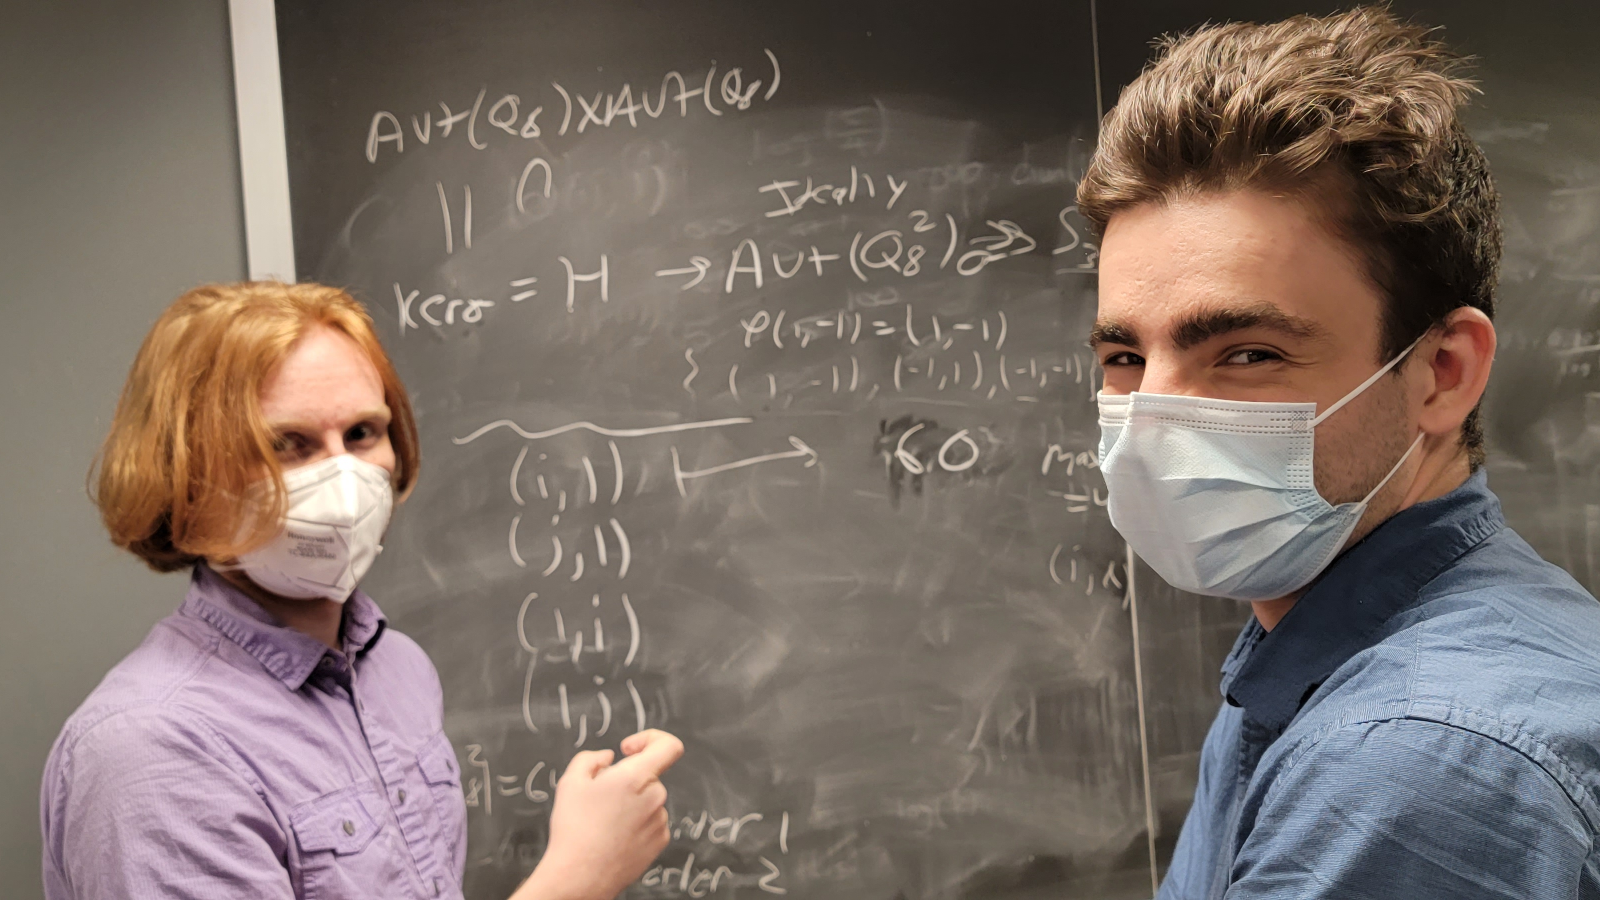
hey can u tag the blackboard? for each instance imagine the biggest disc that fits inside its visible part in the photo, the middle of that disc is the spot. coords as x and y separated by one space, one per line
747 343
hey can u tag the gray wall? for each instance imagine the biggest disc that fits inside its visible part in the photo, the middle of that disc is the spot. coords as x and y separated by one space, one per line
119 189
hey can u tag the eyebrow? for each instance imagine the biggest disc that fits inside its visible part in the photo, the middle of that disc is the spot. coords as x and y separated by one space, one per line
377 412
1112 333
1199 327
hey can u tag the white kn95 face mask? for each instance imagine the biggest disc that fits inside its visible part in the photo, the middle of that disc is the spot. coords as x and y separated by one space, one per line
1218 496
338 511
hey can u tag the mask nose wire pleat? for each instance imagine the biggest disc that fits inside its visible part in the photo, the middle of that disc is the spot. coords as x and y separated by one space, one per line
1339 404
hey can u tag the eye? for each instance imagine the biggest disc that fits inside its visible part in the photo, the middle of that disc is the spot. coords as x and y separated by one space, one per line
365 433
1123 358
290 445
1250 357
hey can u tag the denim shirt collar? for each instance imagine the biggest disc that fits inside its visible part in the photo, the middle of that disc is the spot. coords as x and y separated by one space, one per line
1272 673
289 655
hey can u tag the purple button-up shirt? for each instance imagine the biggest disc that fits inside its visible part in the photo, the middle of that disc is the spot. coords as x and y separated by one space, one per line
231 757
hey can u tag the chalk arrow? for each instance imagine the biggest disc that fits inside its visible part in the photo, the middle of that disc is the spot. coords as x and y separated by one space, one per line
801 450
698 265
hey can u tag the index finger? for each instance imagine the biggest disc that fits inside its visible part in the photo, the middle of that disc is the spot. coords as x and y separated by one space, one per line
659 752
637 741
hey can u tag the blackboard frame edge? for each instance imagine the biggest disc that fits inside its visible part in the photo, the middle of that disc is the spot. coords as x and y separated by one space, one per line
263 147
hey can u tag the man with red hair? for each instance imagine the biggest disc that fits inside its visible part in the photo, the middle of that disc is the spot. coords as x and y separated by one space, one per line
274 738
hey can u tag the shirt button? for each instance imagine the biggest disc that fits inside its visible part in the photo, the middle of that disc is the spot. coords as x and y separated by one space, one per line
402 795
349 827
327 662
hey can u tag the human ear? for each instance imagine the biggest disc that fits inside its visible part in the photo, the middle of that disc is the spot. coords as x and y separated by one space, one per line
1459 356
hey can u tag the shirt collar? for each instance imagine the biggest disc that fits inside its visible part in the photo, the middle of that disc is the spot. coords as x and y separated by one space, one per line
289 655
1272 673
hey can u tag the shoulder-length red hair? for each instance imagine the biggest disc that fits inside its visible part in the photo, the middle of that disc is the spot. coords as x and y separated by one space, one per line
189 444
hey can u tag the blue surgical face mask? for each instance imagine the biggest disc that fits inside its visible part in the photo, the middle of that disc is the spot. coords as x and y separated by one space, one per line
1218 497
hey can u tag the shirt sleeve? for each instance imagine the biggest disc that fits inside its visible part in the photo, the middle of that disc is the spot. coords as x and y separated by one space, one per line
1412 810
145 805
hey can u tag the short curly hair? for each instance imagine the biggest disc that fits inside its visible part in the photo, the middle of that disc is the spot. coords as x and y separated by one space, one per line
188 448
1358 111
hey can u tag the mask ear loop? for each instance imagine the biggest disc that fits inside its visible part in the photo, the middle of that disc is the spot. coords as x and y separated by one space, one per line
1339 404
1403 457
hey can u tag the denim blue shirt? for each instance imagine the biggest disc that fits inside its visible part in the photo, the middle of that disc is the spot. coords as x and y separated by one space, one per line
1424 723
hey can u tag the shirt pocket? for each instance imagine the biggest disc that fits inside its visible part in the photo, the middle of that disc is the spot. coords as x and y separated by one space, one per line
341 854
437 762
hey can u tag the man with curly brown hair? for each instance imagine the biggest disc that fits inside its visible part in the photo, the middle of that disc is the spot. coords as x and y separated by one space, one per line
1299 252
